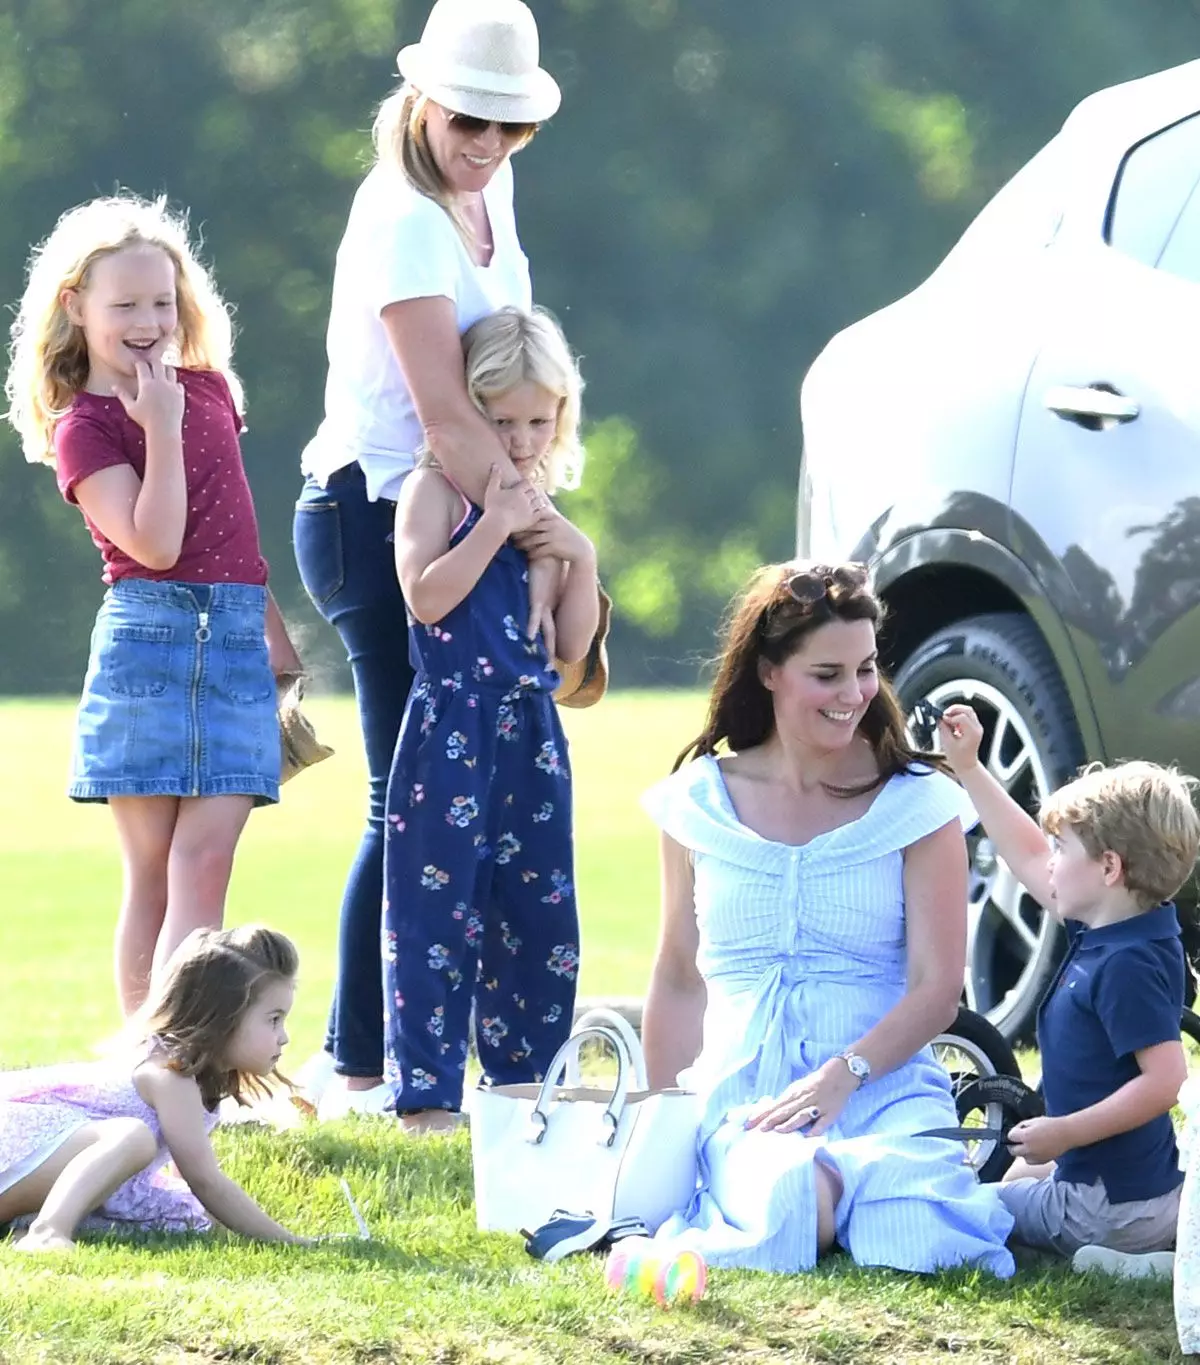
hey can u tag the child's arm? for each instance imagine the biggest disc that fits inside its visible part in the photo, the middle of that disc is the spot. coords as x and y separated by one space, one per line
1018 839
145 518
434 577
176 1100
285 661
1163 1070
577 608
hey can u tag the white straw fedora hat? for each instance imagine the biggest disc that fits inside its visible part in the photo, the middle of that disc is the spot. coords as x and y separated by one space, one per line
480 57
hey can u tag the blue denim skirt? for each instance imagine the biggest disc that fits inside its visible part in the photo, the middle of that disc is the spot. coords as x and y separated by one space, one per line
179 699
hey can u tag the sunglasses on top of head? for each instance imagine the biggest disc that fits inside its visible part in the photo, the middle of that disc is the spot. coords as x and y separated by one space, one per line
472 126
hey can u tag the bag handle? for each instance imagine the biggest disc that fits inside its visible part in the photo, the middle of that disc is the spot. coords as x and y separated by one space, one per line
539 1119
604 1017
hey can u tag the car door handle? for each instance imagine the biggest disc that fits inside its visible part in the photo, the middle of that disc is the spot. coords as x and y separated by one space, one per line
1094 406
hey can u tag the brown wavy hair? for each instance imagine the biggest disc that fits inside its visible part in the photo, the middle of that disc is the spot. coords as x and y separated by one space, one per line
211 980
781 606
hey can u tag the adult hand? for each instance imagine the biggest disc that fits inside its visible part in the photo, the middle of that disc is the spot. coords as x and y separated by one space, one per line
960 732
512 505
810 1105
157 399
1039 1140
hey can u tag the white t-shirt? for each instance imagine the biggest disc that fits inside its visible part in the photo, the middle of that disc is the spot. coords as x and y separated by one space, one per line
400 245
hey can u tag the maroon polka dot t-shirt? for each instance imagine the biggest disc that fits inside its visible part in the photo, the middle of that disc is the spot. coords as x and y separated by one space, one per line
220 538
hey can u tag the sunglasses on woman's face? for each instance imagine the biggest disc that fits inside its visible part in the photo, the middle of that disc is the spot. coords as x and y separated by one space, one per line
470 126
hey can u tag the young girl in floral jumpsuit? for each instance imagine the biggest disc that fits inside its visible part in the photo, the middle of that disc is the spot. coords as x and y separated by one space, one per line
479 895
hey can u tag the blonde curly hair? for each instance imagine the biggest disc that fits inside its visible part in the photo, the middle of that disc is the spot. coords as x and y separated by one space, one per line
510 347
48 356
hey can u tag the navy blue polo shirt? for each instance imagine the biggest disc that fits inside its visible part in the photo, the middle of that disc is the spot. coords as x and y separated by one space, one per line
1119 989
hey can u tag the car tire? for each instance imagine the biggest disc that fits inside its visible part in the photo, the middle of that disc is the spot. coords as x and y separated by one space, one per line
1000 664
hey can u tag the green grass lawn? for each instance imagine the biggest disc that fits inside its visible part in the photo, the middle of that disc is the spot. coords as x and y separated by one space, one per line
60 878
429 1288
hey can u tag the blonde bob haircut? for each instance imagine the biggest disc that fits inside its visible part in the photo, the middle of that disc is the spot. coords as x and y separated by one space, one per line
210 981
510 347
398 134
48 357
1140 811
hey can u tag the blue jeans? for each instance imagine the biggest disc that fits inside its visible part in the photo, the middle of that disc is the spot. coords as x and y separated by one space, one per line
344 552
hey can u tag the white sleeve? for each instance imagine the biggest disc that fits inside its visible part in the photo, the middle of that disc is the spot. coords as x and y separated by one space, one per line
414 254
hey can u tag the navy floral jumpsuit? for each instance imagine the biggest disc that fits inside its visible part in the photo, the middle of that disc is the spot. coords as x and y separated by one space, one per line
479 895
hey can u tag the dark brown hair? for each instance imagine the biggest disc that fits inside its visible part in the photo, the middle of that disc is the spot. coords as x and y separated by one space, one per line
209 983
781 606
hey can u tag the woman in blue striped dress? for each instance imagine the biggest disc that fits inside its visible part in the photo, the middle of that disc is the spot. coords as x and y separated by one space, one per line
813 943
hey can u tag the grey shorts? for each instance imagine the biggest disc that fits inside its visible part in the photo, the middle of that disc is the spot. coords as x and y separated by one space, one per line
1059 1216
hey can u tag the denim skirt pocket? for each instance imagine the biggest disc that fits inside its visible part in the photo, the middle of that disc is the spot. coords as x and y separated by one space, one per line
247 667
178 699
138 664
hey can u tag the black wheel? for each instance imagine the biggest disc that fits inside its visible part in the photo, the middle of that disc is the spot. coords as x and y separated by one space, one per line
1000 665
973 1050
995 1102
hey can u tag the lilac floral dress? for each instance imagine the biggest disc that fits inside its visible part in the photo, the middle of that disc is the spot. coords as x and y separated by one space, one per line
41 1107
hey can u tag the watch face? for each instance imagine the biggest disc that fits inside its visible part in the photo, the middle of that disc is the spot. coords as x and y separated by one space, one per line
859 1066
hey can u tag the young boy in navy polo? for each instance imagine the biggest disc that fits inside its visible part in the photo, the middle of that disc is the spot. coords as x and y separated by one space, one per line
1100 1171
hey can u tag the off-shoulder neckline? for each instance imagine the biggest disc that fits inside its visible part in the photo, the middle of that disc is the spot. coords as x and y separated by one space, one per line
725 799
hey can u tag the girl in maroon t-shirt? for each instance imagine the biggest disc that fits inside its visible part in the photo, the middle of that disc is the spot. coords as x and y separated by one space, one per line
177 727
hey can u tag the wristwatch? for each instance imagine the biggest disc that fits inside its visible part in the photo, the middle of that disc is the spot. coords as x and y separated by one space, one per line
860 1068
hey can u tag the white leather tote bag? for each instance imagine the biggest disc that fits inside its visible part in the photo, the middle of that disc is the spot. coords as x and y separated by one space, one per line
624 1152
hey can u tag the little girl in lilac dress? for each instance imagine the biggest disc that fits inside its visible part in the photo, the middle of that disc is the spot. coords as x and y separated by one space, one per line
89 1142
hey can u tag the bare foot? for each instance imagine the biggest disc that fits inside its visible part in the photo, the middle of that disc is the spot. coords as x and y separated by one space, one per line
431 1121
43 1239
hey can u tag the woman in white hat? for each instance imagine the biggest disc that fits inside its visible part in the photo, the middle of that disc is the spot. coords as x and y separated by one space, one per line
430 247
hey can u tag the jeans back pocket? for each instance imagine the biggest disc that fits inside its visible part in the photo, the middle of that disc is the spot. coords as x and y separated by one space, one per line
317 534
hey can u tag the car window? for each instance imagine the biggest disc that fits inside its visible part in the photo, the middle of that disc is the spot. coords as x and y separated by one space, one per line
1154 187
1181 255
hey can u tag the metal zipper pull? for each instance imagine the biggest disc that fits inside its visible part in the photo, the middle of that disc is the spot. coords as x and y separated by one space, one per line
203 634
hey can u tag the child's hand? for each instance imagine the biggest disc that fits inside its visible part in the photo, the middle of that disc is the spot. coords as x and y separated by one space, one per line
158 400
1039 1140
960 732
552 534
514 506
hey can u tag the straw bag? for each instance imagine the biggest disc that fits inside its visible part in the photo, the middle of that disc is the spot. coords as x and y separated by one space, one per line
585 681
620 1152
299 747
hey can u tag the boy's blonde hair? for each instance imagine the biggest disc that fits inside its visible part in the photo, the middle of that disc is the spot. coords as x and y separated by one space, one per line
210 981
510 347
48 358
1140 811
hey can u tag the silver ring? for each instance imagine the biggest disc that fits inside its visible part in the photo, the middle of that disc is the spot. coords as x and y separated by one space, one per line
814 1113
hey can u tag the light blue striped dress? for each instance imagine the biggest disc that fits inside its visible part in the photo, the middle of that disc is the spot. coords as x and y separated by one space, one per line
802 951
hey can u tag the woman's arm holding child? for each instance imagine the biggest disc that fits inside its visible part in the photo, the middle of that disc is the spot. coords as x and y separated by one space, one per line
436 577
1017 837
424 337
176 1100
145 518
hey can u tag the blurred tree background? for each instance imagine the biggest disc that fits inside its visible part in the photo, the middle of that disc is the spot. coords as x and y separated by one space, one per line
728 183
